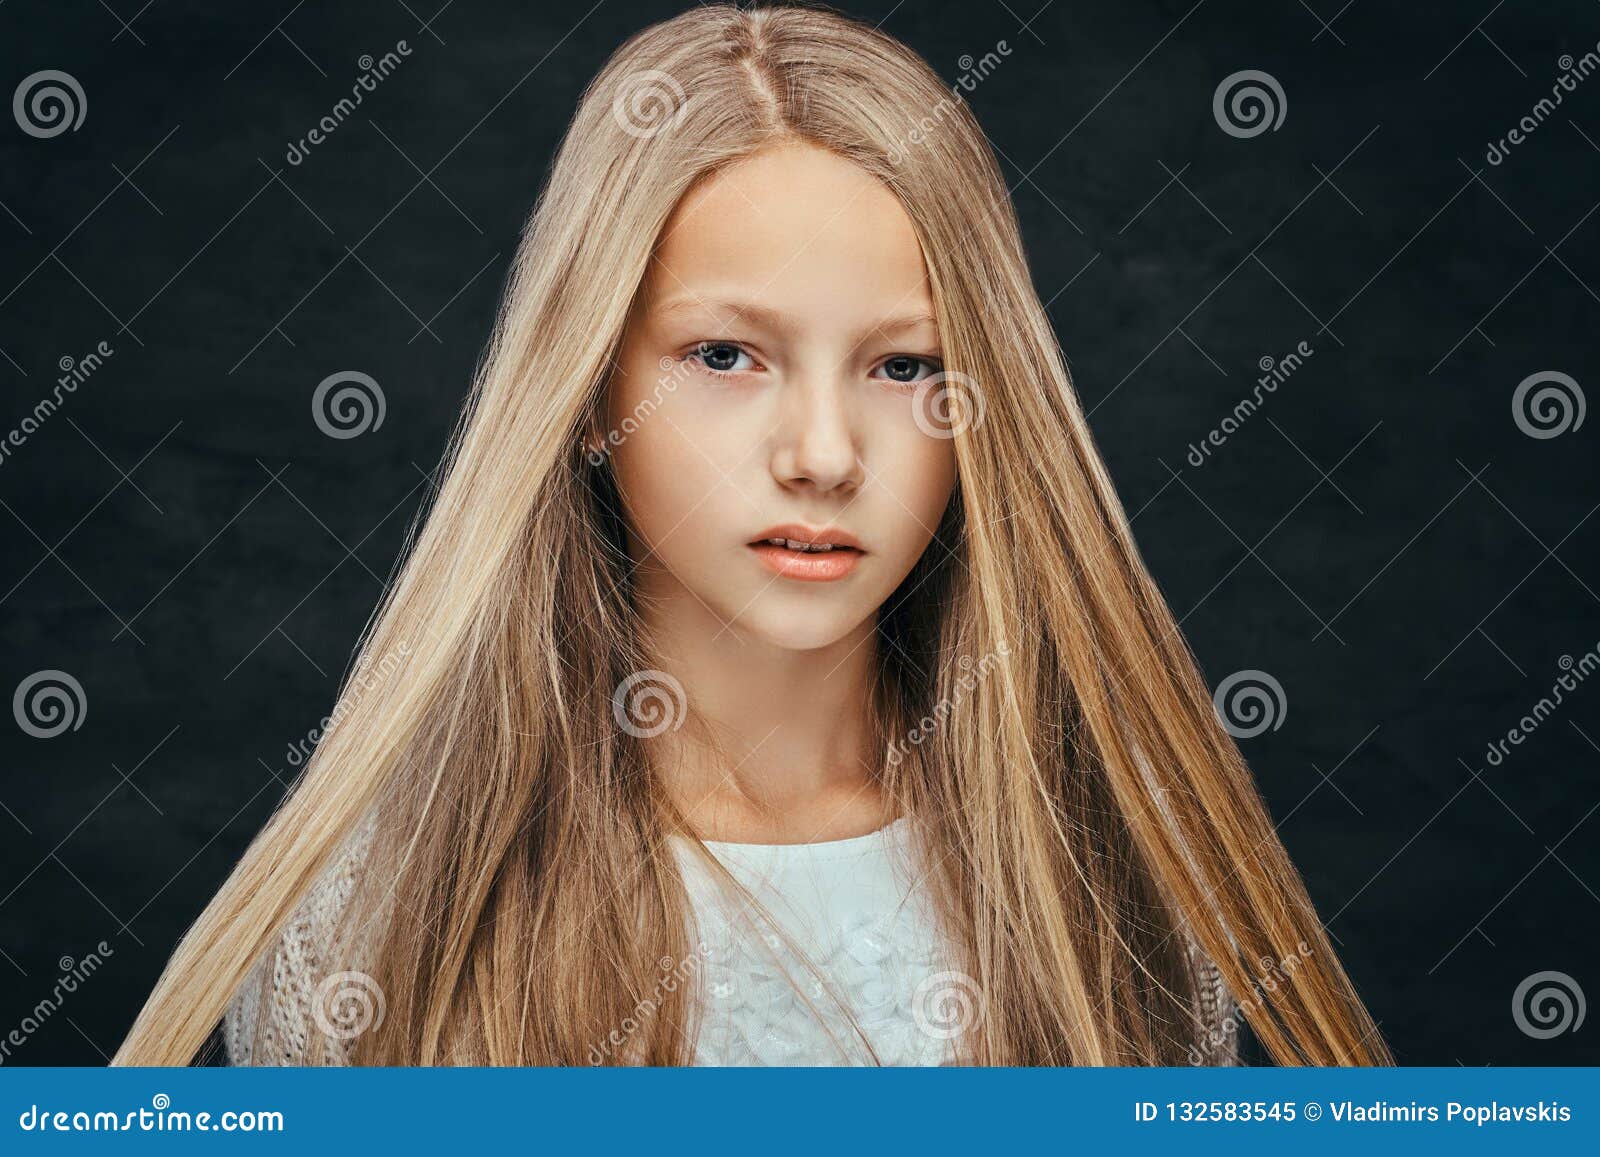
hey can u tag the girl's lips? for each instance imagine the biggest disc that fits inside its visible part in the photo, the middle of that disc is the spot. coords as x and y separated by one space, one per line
807 566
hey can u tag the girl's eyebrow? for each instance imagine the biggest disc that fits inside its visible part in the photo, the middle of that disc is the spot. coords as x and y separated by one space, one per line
894 325
772 319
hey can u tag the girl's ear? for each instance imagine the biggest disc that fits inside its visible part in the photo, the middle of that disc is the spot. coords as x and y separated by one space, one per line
595 435
592 438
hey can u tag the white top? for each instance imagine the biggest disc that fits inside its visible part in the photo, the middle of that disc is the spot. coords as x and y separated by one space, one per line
857 907
860 912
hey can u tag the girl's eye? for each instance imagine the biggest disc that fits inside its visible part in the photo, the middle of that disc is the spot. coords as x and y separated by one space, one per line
907 370
722 357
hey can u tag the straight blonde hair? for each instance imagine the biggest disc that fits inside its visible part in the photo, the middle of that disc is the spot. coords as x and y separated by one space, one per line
1084 809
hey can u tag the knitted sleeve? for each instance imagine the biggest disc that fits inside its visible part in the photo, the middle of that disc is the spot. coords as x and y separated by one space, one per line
1220 1020
291 1009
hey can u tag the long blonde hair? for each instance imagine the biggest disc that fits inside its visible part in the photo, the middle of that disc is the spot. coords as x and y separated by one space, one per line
1085 809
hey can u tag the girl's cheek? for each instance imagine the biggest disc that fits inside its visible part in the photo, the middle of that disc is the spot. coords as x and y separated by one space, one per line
718 433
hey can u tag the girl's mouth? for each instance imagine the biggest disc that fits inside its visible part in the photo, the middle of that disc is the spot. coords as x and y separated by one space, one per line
797 552
823 565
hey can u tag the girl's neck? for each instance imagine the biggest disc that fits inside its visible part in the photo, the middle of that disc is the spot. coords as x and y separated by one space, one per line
781 746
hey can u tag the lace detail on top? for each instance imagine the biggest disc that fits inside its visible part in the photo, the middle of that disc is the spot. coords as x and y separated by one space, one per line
854 910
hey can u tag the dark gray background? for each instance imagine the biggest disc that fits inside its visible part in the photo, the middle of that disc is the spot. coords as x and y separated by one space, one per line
1381 538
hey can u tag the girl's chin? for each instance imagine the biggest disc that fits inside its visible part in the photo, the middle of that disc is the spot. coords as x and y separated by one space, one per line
795 629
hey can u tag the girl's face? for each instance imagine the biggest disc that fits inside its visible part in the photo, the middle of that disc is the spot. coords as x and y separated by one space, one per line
774 383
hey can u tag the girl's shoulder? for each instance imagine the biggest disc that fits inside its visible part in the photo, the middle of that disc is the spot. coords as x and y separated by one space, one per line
291 1009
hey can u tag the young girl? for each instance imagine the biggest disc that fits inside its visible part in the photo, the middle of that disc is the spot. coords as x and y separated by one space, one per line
774 679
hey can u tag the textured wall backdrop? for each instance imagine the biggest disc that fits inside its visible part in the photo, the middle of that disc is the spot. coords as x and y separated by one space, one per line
1394 552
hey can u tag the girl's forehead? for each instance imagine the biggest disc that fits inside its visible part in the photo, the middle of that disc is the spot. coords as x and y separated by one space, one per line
793 228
